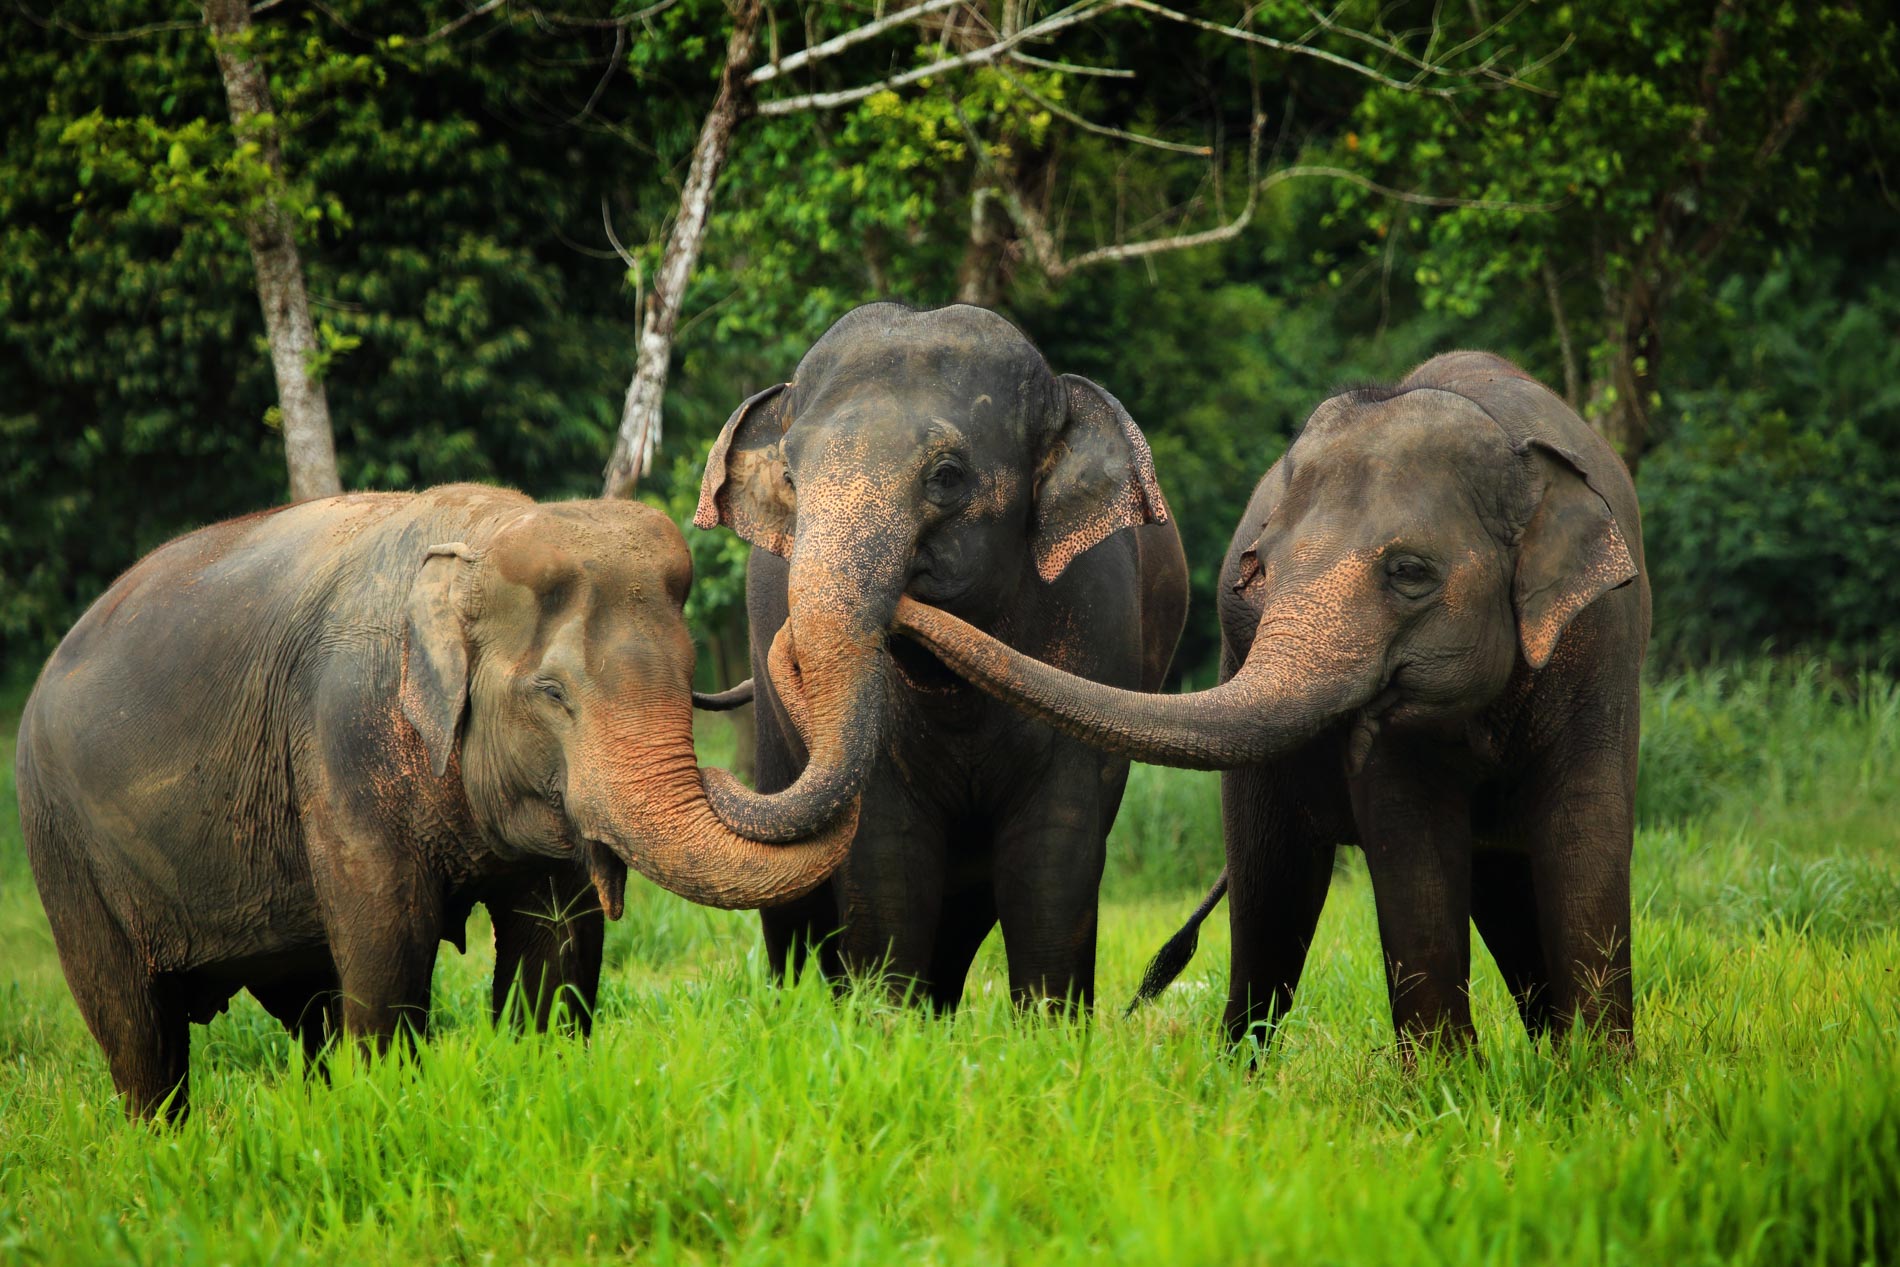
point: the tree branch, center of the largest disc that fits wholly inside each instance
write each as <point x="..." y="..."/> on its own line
<point x="1101" y="129"/>
<point x="1284" y="46"/>
<point x="1084" y="11"/>
<point x="102" y="37"/>
<point x="857" y="35"/>
<point x="638" y="435"/>
<point x="1069" y="68"/>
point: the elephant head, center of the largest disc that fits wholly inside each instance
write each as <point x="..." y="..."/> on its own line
<point x="549" y="653"/>
<point x="1413" y="544"/>
<point x="925" y="452"/>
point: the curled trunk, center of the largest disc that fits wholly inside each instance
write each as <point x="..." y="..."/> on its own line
<point x="827" y="668"/>
<point x="665" y="827"/>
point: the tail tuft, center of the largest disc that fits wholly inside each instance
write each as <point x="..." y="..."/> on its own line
<point x="1175" y="954"/>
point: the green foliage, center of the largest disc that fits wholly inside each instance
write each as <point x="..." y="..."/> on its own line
<point x="134" y="393"/>
<point x="1772" y="512"/>
<point x="474" y="323"/>
<point x="715" y="1117"/>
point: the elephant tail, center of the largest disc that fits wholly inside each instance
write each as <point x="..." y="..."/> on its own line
<point x="1173" y="957"/>
<point x="723" y="701"/>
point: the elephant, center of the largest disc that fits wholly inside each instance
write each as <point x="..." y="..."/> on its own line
<point x="1434" y="614"/>
<point x="289" y="752"/>
<point x="933" y="452"/>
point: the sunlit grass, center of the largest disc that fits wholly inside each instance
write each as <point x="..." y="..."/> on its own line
<point x="717" y="1117"/>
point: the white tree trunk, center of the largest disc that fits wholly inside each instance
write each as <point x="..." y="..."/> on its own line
<point x="309" y="445"/>
<point x="639" y="435"/>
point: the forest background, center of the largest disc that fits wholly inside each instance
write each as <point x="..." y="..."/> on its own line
<point x="1681" y="215"/>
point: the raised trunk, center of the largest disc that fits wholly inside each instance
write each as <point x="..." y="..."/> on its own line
<point x="639" y="435"/>
<point x="657" y="799"/>
<point x="309" y="445"/>
<point x="1265" y="709"/>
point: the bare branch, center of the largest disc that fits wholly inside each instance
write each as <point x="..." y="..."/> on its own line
<point x="857" y="35"/>
<point x="1081" y="12"/>
<point x="102" y="37"/>
<point x="1102" y="129"/>
<point x="1069" y="68"/>
<point x="1283" y="46"/>
<point x="1417" y="199"/>
<point x="449" y="28"/>
<point x="600" y="24"/>
<point x="613" y="239"/>
<point x="1430" y="65"/>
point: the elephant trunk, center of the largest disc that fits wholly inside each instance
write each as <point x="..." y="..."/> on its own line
<point x="827" y="667"/>
<point x="1311" y="664"/>
<point x="649" y="802"/>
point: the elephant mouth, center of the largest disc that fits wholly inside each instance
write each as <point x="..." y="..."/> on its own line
<point x="923" y="672"/>
<point x="609" y="874"/>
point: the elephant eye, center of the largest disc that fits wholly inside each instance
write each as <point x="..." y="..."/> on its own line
<point x="552" y="689"/>
<point x="1411" y="576"/>
<point x="945" y="481"/>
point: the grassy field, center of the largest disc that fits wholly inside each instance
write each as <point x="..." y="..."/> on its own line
<point x="718" y="1118"/>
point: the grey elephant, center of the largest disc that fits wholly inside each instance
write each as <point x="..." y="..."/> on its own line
<point x="289" y="752"/>
<point x="935" y="453"/>
<point x="1433" y="617"/>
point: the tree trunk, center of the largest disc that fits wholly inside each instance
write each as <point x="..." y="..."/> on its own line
<point x="980" y="275"/>
<point x="309" y="445"/>
<point x="1622" y="386"/>
<point x="639" y="435"/>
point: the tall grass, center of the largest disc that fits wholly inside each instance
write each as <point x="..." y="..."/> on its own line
<point x="716" y="1117"/>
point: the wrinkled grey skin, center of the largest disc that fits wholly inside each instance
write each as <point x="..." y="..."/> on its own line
<point x="936" y="454"/>
<point x="288" y="753"/>
<point x="1433" y="618"/>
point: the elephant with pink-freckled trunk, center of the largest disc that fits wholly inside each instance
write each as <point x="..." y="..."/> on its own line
<point x="290" y="752"/>
<point x="1433" y="613"/>
<point x="935" y="454"/>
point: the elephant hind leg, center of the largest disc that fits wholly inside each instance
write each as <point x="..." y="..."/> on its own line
<point x="1504" y="907"/>
<point x="134" y="1014"/>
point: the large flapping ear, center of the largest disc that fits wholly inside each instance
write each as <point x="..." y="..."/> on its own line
<point x="1571" y="552"/>
<point x="746" y="487"/>
<point x="1096" y="477"/>
<point x="435" y="652"/>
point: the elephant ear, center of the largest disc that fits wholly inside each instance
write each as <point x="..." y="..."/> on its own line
<point x="1571" y="552"/>
<point x="746" y="486"/>
<point x="1096" y="477"/>
<point x="435" y="652"/>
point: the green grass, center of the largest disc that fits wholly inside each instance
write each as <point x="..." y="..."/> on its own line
<point x="718" y="1118"/>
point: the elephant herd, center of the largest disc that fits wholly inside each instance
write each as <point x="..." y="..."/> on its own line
<point x="290" y="752"/>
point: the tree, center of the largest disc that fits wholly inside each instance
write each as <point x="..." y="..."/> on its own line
<point x="303" y="408"/>
<point x="1659" y="130"/>
<point x="990" y="49"/>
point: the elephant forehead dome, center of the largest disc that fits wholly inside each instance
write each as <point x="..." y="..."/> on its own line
<point x="955" y="356"/>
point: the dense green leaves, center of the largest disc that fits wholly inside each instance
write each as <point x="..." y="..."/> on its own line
<point x="455" y="196"/>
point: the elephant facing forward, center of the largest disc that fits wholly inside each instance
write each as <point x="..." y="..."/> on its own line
<point x="936" y="454"/>
<point x="1433" y="618"/>
<point x="288" y="753"/>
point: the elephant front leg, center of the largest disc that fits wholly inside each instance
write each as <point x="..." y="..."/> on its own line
<point x="890" y="896"/>
<point x="1277" y="877"/>
<point x="1581" y="828"/>
<point x="1415" y="827"/>
<point x="1047" y="880"/>
<point x="382" y="913"/>
<point x="548" y="940"/>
